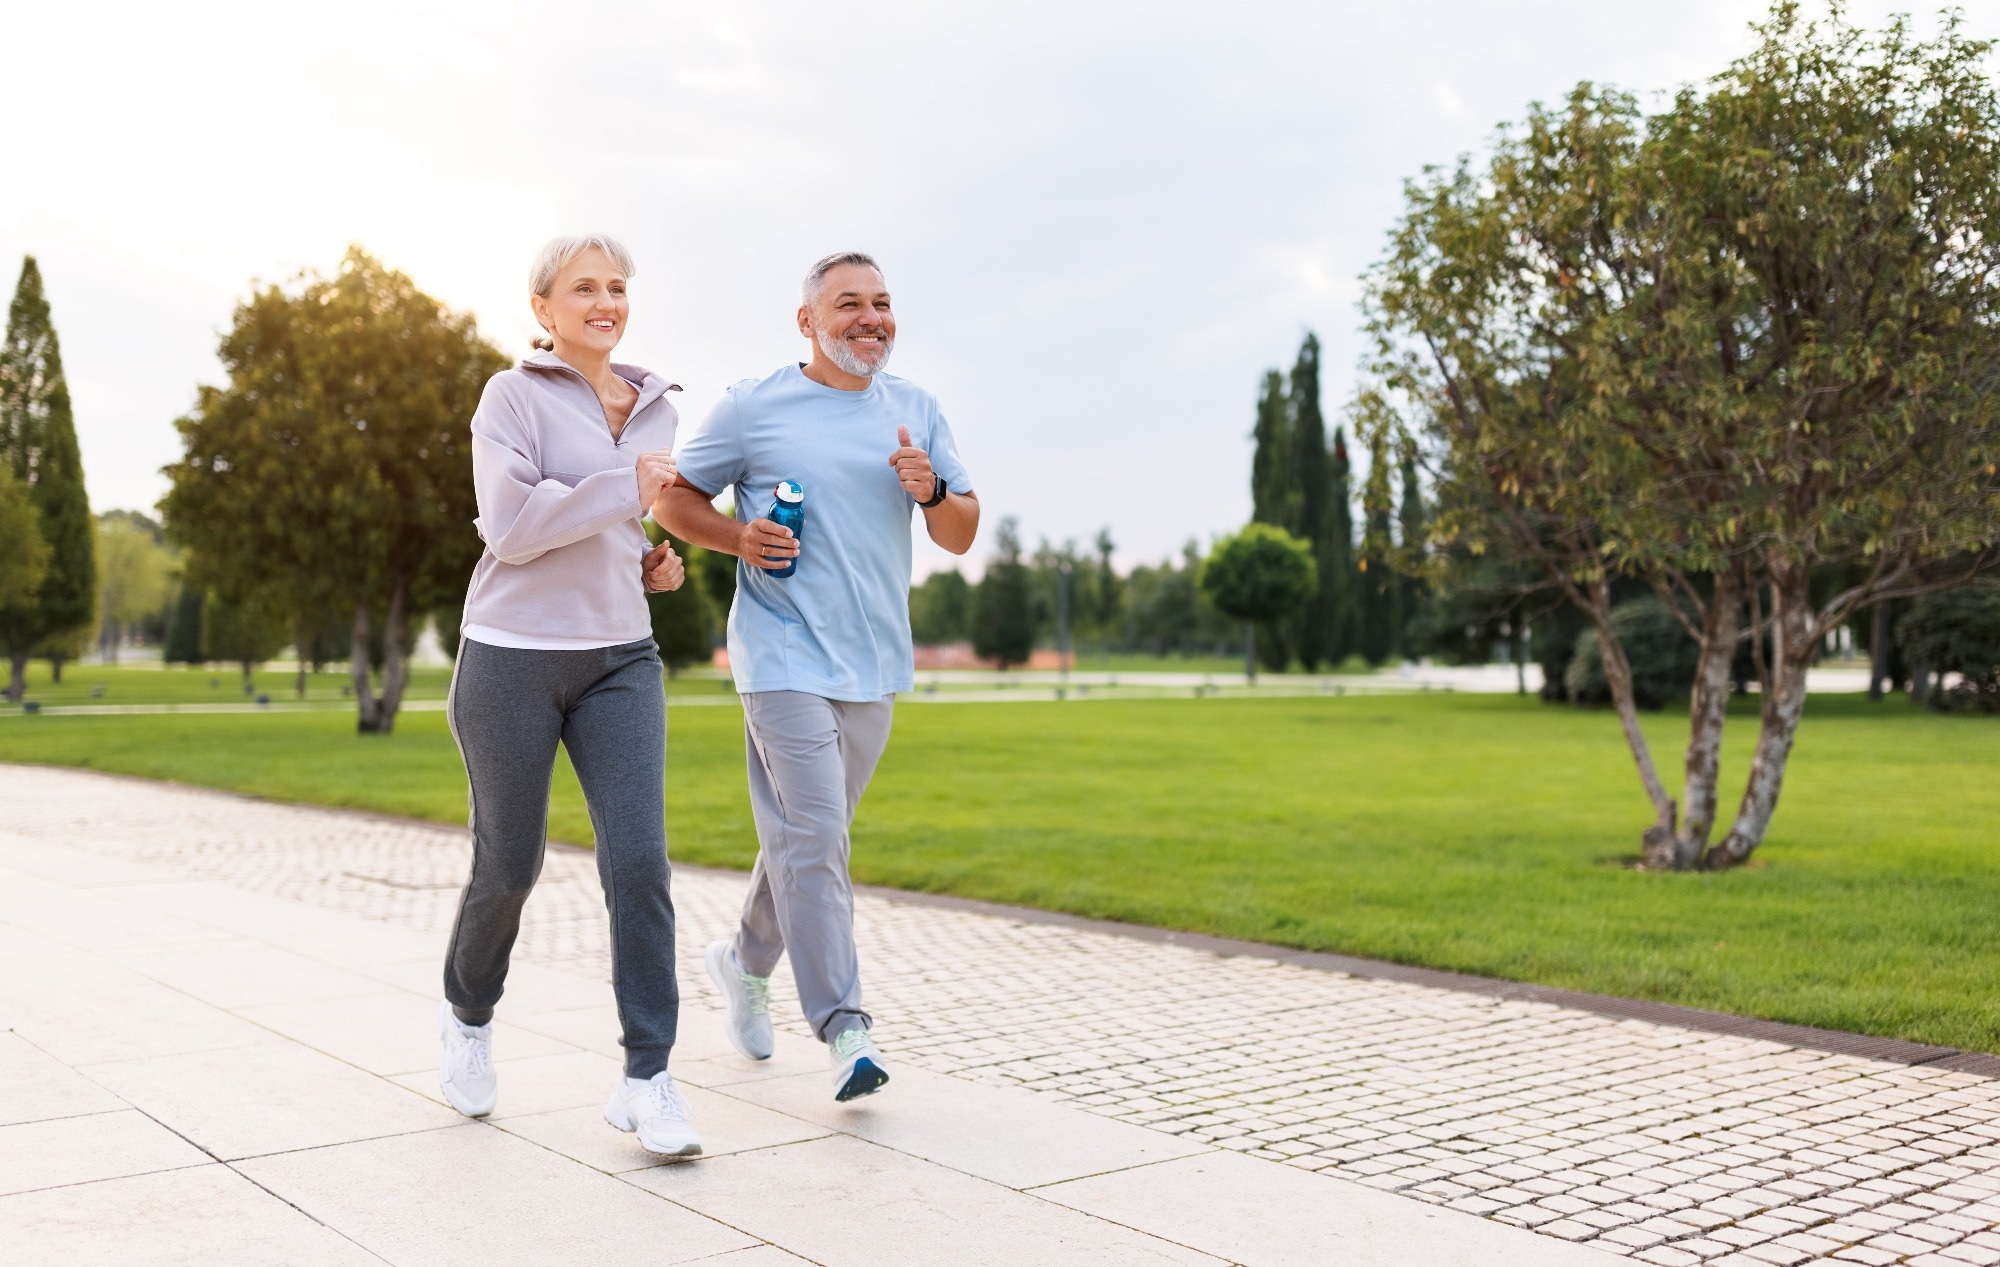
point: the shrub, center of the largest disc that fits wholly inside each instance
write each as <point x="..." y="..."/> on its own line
<point x="1958" y="631"/>
<point x="1662" y="654"/>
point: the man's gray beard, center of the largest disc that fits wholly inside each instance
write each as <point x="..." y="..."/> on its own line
<point x="838" y="352"/>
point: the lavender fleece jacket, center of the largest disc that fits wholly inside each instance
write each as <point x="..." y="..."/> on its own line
<point x="559" y="508"/>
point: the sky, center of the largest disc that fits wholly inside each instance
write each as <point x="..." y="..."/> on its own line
<point x="1101" y="222"/>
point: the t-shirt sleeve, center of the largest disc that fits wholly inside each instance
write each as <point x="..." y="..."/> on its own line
<point x="944" y="455"/>
<point x="710" y="454"/>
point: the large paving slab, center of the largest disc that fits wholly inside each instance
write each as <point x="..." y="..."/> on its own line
<point x="1476" y="1116"/>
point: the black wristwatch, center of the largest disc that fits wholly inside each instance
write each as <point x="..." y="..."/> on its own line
<point x="937" y="494"/>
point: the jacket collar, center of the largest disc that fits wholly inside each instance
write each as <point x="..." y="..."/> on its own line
<point x="651" y="385"/>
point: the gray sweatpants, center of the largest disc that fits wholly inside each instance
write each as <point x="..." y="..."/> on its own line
<point x="508" y="710"/>
<point x="810" y="760"/>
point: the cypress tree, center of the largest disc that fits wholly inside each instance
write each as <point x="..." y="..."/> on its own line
<point x="1410" y="521"/>
<point x="183" y="643"/>
<point x="1272" y="487"/>
<point x="1337" y="578"/>
<point x="1380" y="602"/>
<point x="1313" y="630"/>
<point x="38" y="442"/>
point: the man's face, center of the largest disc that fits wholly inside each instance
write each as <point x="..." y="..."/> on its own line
<point x="851" y="321"/>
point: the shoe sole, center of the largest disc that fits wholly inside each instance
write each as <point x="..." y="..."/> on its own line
<point x="866" y="1079"/>
<point x="615" y="1113"/>
<point x="712" y="958"/>
<point x="452" y="1095"/>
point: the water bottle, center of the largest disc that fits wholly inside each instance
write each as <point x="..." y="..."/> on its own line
<point x="789" y="511"/>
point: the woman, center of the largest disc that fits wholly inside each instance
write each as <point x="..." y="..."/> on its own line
<point x="569" y="451"/>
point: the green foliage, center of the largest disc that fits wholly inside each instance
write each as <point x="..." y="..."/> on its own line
<point x="1167" y="612"/>
<point x="1753" y="335"/>
<point x="941" y="609"/>
<point x="332" y="476"/>
<point x="1261" y="574"/>
<point x="24" y="555"/>
<point x="683" y="624"/>
<point x="247" y="633"/>
<point x="1003" y="610"/>
<point x="135" y="572"/>
<point x="38" y="445"/>
<point x="183" y="640"/>
<point x="1658" y="646"/>
<point x="1958" y="631"/>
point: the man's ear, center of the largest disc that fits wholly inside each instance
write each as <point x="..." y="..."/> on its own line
<point x="805" y="322"/>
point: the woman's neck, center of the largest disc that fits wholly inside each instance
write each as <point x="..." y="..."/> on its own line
<point x="593" y="365"/>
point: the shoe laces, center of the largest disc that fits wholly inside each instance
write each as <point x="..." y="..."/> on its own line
<point x="759" y="990"/>
<point x="475" y="1054"/>
<point x="849" y="1041"/>
<point x="667" y="1098"/>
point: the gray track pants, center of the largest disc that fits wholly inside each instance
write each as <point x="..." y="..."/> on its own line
<point x="508" y="710"/>
<point x="810" y="760"/>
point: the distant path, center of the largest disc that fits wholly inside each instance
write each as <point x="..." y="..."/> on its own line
<point x="1664" y="1144"/>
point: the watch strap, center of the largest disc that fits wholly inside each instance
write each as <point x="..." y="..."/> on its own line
<point x="938" y="493"/>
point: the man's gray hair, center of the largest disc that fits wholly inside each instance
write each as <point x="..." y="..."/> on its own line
<point x="816" y="276"/>
<point x="556" y="254"/>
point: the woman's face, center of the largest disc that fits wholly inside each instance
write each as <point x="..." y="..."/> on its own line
<point x="586" y="308"/>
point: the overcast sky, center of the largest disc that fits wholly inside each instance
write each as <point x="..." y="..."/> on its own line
<point x="1101" y="221"/>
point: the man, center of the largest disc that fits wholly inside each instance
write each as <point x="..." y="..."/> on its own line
<point x="819" y="655"/>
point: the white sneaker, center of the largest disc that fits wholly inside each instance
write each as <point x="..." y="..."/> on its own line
<point x="465" y="1074"/>
<point x="748" y="1024"/>
<point x="857" y="1066"/>
<point x="657" y="1112"/>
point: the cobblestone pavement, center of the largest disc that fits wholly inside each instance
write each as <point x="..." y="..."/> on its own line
<point x="1666" y="1145"/>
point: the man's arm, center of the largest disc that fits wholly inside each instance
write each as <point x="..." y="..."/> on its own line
<point x="953" y="522"/>
<point x="690" y="514"/>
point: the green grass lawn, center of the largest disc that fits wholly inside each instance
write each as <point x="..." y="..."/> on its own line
<point x="1481" y="833"/>
<point x="180" y="684"/>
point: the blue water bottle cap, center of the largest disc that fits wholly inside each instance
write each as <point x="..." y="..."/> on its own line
<point x="791" y="492"/>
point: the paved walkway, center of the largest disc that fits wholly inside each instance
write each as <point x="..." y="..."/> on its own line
<point x="217" y="1047"/>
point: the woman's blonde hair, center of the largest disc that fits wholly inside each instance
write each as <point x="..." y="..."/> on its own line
<point x="556" y="254"/>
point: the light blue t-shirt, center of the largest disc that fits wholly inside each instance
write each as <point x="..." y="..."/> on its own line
<point x="838" y="627"/>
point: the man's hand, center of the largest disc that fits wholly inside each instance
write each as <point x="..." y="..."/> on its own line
<point x="913" y="468"/>
<point x="656" y="475"/>
<point x="767" y="545"/>
<point x="662" y="568"/>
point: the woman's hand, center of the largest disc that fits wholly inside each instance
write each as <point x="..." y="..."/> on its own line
<point x="662" y="568"/>
<point x="656" y="475"/>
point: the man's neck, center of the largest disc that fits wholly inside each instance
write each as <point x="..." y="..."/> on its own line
<point x="827" y="374"/>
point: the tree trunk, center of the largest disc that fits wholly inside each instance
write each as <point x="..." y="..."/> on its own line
<point x="367" y="716"/>
<point x="1920" y="681"/>
<point x="1618" y="677"/>
<point x="249" y="683"/>
<point x="17" y="677"/>
<point x="1250" y="652"/>
<point x="395" y="670"/>
<point x="55" y="669"/>
<point x="1784" y="703"/>
<point x="304" y="640"/>
<point x="1708" y="709"/>
<point x="1519" y="649"/>
<point x="1878" y="647"/>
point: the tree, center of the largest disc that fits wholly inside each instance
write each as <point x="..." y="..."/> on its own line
<point x="1314" y="629"/>
<point x="1107" y="591"/>
<point x="941" y="609"/>
<point x="1958" y="631"/>
<point x="681" y="619"/>
<point x="1003" y="607"/>
<point x="38" y="445"/>
<point x="24" y="555"/>
<point x="134" y="572"/>
<point x="247" y="633"/>
<point x="1722" y="349"/>
<point x="182" y="644"/>
<point x="332" y="476"/>
<point x="1273" y="478"/>
<point x="1260" y="575"/>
